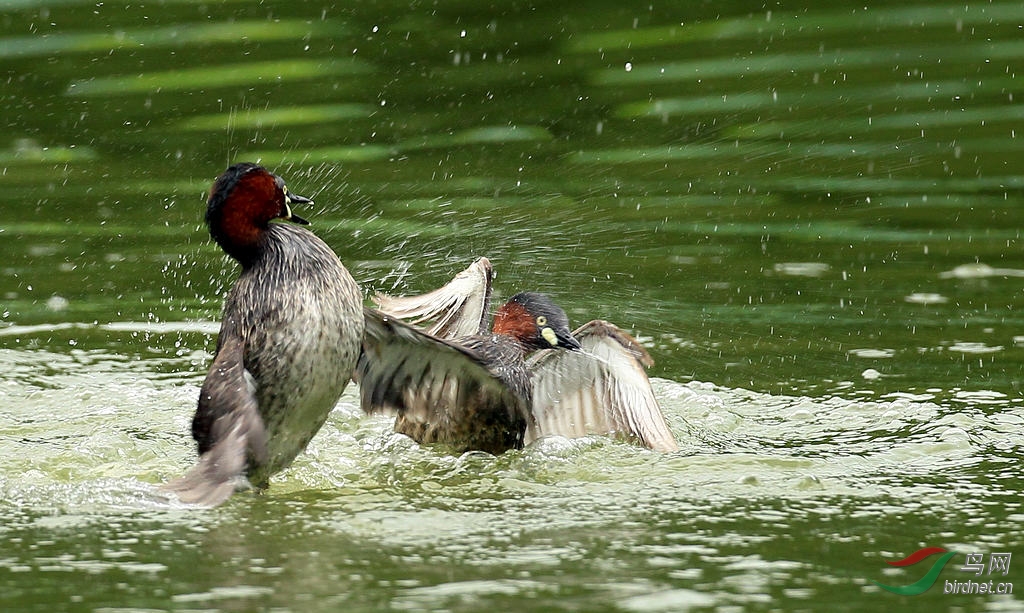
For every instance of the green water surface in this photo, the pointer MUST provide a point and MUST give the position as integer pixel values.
(810, 213)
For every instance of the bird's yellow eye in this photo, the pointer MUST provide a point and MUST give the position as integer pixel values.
(542, 321)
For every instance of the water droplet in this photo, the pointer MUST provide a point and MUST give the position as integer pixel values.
(57, 303)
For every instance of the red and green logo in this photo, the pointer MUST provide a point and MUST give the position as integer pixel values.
(924, 583)
(998, 564)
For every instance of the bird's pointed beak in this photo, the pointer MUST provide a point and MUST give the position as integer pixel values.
(569, 342)
(563, 339)
(289, 200)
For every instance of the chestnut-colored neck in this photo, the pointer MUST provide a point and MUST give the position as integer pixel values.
(515, 321)
(239, 219)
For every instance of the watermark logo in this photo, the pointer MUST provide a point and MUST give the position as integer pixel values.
(998, 563)
(924, 583)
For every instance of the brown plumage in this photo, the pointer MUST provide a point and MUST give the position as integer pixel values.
(292, 321)
(473, 392)
(600, 389)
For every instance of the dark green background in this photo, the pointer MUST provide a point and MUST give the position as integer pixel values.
(812, 209)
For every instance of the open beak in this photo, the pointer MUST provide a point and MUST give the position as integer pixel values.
(289, 200)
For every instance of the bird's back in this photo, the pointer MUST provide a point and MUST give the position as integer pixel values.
(484, 422)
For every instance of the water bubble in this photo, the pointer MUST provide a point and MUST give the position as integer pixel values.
(57, 303)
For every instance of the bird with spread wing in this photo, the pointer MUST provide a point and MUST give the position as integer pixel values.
(431, 360)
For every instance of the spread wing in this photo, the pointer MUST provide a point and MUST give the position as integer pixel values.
(228, 427)
(602, 389)
(440, 391)
(457, 309)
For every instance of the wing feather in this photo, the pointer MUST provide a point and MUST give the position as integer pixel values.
(440, 391)
(227, 426)
(457, 309)
(602, 389)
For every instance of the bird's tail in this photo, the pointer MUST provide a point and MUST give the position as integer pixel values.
(221, 470)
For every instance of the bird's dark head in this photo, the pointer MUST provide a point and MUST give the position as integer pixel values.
(243, 201)
(535, 322)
